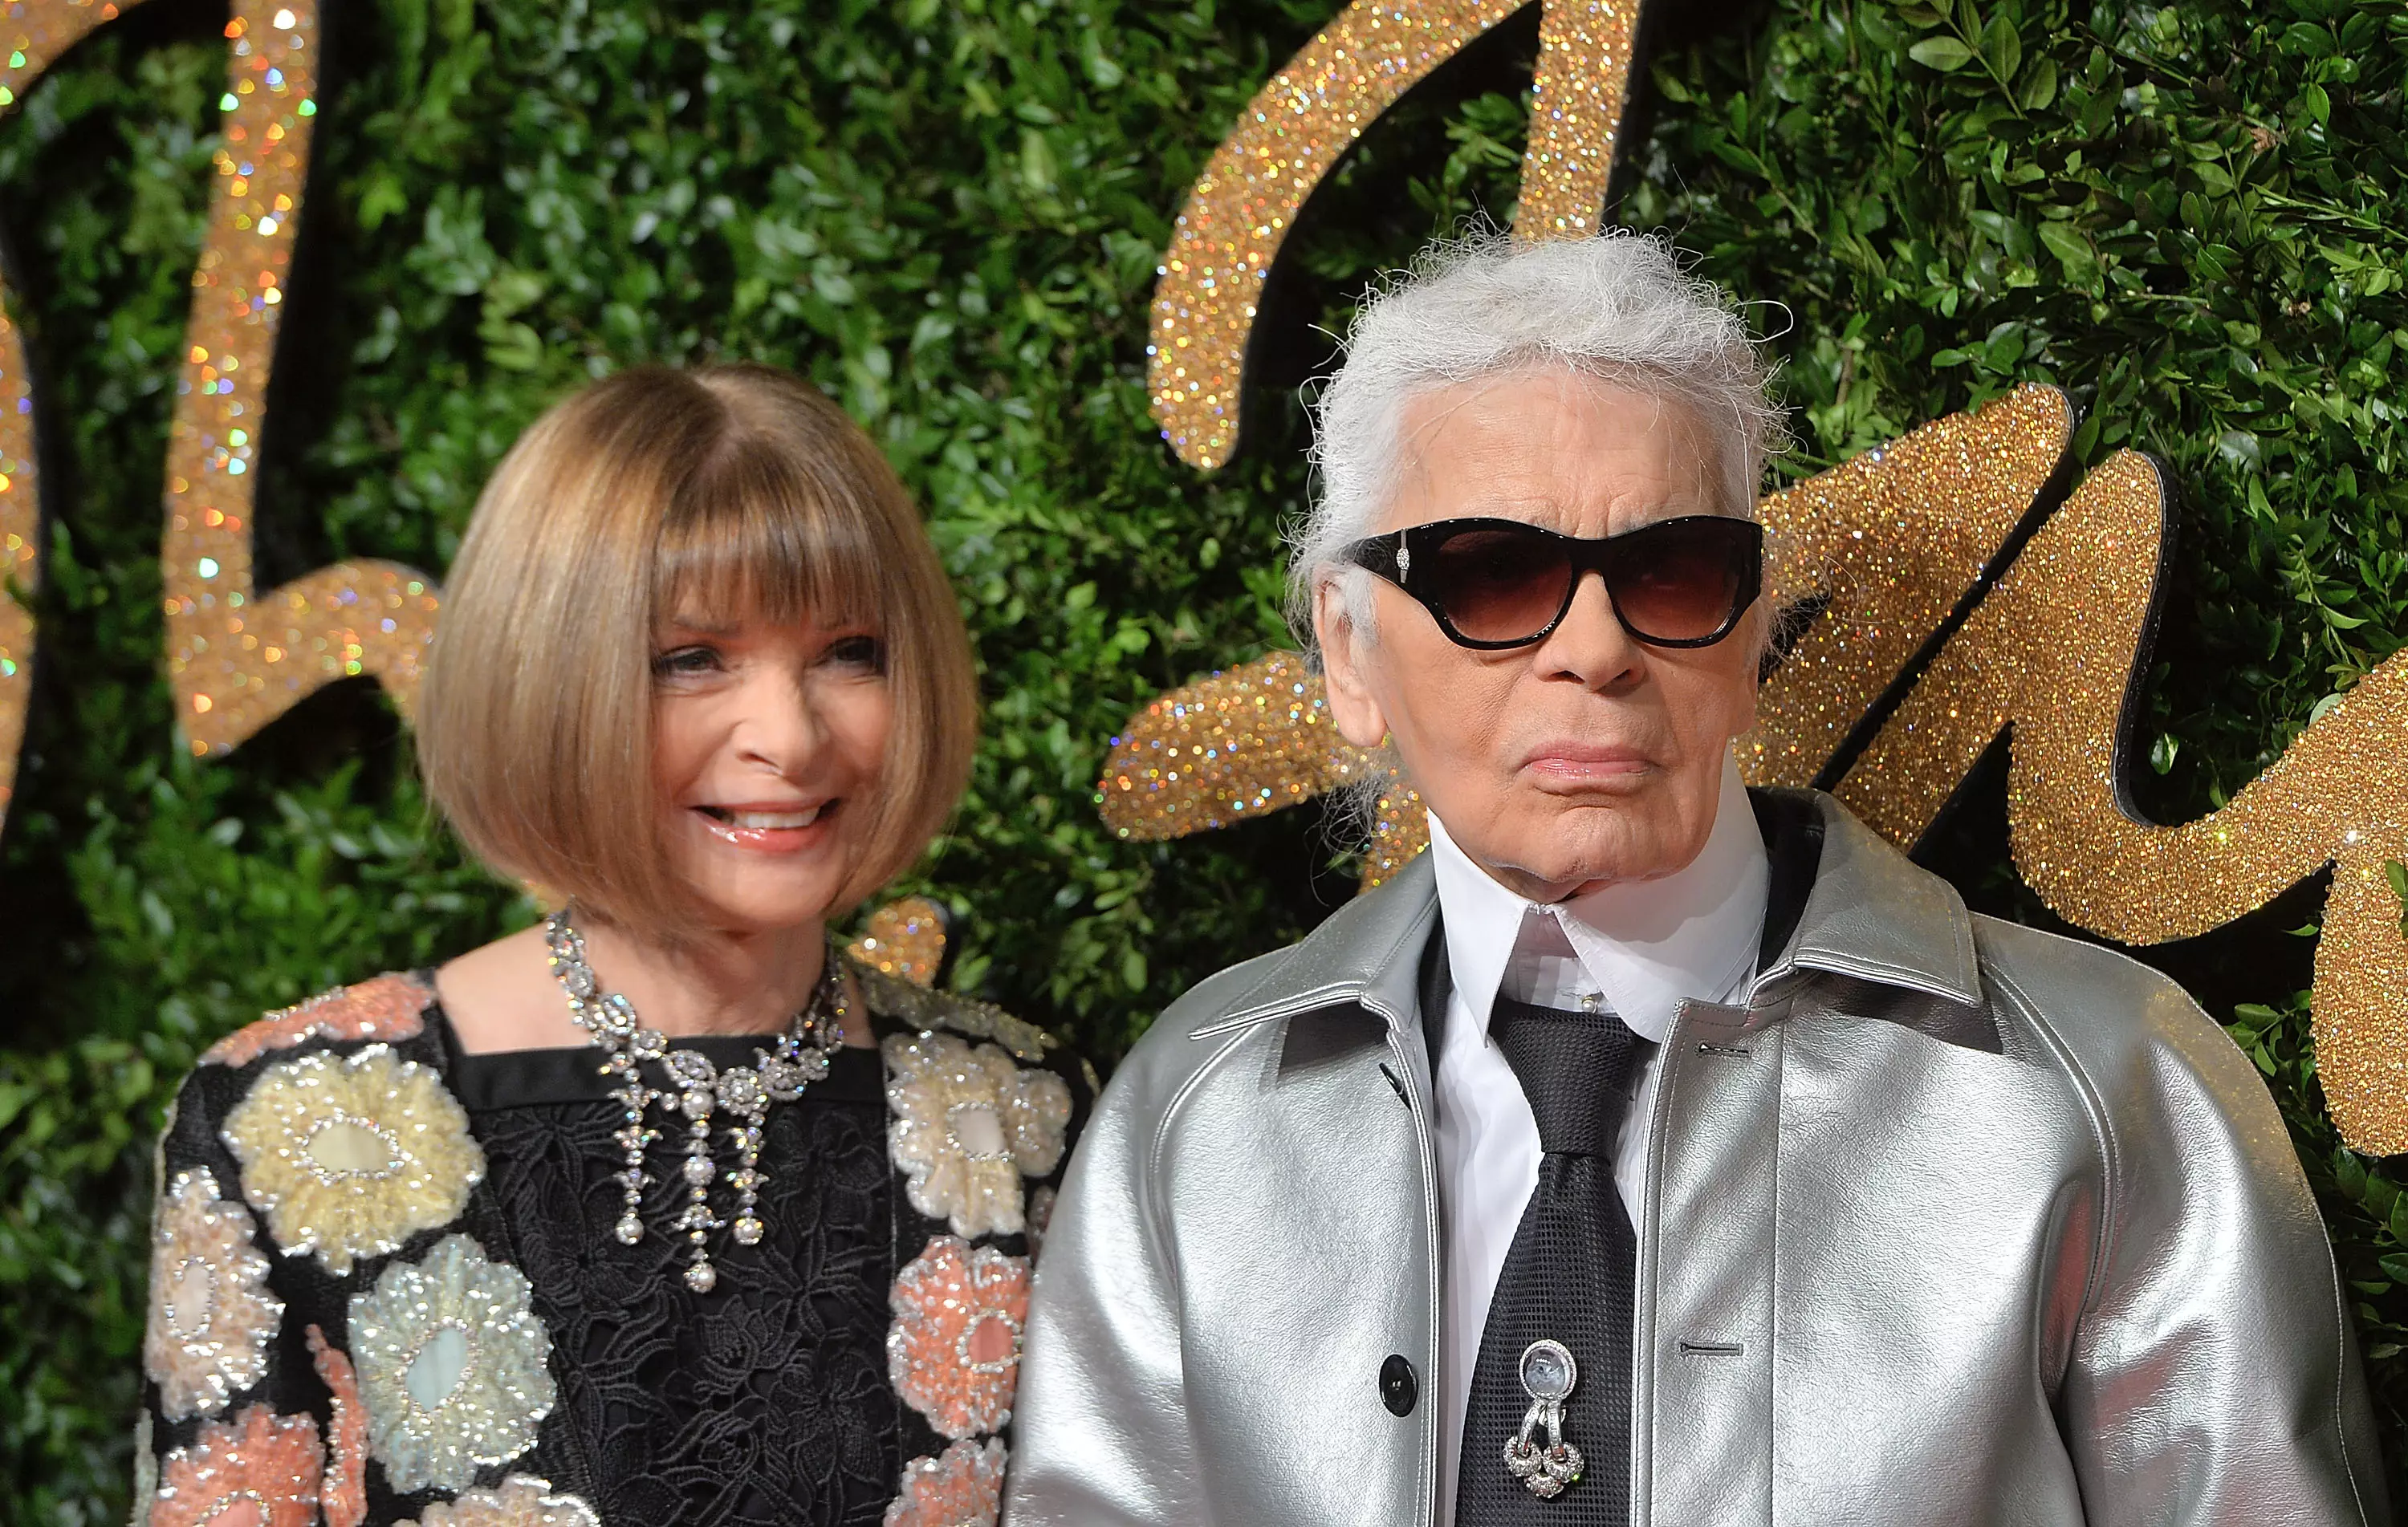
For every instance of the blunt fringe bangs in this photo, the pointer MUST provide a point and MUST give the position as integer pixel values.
(735, 491)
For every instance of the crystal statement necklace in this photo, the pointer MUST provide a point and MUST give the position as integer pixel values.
(795, 1060)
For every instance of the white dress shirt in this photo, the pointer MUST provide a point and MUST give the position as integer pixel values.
(1638, 950)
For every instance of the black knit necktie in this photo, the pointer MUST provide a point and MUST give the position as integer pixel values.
(1566, 1279)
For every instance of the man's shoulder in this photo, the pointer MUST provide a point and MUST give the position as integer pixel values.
(1235, 1008)
(2105, 1013)
(1176, 1045)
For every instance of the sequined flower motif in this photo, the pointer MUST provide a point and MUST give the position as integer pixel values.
(519, 1501)
(146, 1470)
(345, 1490)
(961, 1487)
(1040, 1218)
(968, 1124)
(954, 1350)
(390, 1007)
(261, 1470)
(211, 1315)
(451, 1366)
(348, 1157)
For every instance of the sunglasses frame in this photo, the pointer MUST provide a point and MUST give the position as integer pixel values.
(1394, 556)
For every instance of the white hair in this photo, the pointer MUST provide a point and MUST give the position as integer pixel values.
(1616, 306)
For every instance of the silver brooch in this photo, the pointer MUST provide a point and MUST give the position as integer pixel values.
(795, 1058)
(1548, 1374)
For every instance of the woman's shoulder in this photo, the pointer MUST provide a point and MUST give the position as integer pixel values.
(390, 1008)
(902, 1001)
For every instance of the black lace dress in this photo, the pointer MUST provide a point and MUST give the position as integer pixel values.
(385, 1285)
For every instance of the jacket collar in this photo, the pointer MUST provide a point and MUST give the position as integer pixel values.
(1862, 911)
(1869, 912)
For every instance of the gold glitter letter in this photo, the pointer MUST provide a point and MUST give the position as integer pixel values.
(2056, 651)
(1297, 126)
(240, 660)
(38, 36)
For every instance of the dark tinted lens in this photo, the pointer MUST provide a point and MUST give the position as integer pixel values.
(1682, 581)
(1499, 585)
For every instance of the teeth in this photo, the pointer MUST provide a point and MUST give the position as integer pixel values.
(773, 818)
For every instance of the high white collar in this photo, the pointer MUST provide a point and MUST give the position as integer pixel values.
(1649, 945)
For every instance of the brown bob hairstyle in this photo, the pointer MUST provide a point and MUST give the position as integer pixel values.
(738, 490)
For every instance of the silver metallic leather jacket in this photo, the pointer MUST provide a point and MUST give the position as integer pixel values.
(1954, 1222)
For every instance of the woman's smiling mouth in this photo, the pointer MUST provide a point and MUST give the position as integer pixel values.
(773, 829)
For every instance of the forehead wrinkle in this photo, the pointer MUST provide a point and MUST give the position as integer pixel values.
(1543, 482)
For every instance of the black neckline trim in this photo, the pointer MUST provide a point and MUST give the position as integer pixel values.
(526, 1079)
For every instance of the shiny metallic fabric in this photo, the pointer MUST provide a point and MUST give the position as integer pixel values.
(1954, 1222)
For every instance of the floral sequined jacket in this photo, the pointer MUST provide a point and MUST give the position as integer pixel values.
(383, 1286)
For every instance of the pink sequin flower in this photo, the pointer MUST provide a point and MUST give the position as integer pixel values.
(261, 1471)
(212, 1313)
(345, 1489)
(954, 1350)
(961, 1487)
(390, 1007)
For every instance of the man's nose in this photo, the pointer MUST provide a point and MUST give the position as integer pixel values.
(1590, 646)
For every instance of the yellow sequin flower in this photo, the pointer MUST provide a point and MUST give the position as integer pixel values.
(968, 1124)
(519, 1501)
(211, 1315)
(348, 1157)
(451, 1366)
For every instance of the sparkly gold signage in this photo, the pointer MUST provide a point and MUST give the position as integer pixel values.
(1886, 547)
(1297, 126)
(237, 658)
(33, 39)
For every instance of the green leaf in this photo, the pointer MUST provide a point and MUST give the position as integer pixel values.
(2073, 252)
(1946, 54)
(2002, 48)
(2038, 86)
(2309, 40)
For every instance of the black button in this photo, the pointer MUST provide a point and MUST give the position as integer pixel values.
(1398, 1387)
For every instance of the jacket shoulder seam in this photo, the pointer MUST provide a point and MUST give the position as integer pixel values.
(1171, 1108)
(2111, 1154)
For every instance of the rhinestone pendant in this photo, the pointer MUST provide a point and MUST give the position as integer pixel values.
(1548, 1374)
(695, 1091)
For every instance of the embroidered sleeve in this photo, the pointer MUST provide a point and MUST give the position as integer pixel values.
(225, 1419)
(313, 1305)
(983, 1110)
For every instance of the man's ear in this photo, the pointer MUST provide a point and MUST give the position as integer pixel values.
(1345, 657)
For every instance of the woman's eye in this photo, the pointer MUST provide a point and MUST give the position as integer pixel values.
(859, 652)
(684, 661)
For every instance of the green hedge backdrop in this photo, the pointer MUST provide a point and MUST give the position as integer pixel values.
(949, 212)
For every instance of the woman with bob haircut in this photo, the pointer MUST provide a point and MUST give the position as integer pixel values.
(666, 1209)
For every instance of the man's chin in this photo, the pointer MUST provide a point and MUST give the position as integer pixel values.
(1576, 856)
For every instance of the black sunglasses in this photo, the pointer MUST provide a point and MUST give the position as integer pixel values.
(1500, 583)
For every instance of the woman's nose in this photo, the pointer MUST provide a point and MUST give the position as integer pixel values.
(775, 725)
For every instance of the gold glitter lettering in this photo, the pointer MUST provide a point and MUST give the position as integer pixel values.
(2055, 653)
(38, 34)
(1297, 126)
(239, 659)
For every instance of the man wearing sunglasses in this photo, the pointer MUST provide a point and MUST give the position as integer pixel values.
(1654, 1150)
